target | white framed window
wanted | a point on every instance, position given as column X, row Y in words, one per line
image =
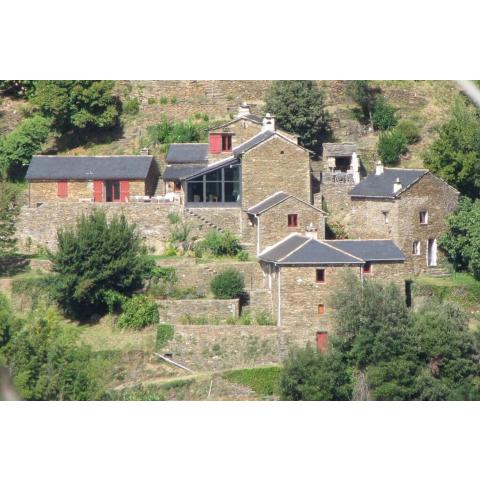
column 423, row 217
column 416, row 248
column 385, row 217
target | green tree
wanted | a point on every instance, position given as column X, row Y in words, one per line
column 138, row 312
column 383, row 116
column 47, row 364
column 8, row 213
column 462, row 240
column 95, row 258
column 310, row 375
column 455, row 154
column 78, row 105
column 228, row 284
column 6, row 317
column 364, row 95
column 17, row 147
column 391, row 144
column 299, row 107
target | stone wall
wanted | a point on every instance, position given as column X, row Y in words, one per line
column 38, row 226
column 274, row 222
column 175, row 311
column 225, row 218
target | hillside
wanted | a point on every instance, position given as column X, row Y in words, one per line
column 427, row 102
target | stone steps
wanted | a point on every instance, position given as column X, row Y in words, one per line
column 203, row 221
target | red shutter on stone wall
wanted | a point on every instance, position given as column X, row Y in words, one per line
column 62, row 188
column 124, row 190
column 322, row 341
column 97, row 190
column 215, row 142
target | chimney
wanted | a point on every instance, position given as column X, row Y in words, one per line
column 243, row 109
column 144, row 151
column 311, row 231
column 268, row 123
column 379, row 168
column 397, row 185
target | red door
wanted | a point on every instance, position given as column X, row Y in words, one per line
column 215, row 142
column 124, row 190
column 98, row 190
column 322, row 341
column 62, row 188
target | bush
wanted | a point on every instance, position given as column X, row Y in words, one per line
column 138, row 312
column 228, row 284
column 95, row 257
column 164, row 334
column 391, row 145
column 182, row 131
column 243, row 256
column 131, row 106
column 410, row 130
column 6, row 318
column 383, row 116
column 263, row 318
column 220, row 244
column 310, row 375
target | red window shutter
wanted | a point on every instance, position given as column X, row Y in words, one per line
column 98, row 190
column 124, row 190
column 62, row 188
column 322, row 341
column 215, row 142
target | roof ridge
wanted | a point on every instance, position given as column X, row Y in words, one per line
column 295, row 249
column 265, row 199
column 267, row 249
column 338, row 249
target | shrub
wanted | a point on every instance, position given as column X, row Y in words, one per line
column 263, row 318
column 220, row 244
column 410, row 130
column 243, row 256
column 6, row 317
column 138, row 312
column 114, row 300
column 228, row 284
column 95, row 257
column 383, row 116
column 131, row 106
column 181, row 131
column 163, row 100
column 391, row 145
column 164, row 334
column 152, row 101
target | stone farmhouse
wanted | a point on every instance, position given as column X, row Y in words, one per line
column 257, row 181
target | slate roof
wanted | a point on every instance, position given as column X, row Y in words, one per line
column 274, row 200
column 212, row 166
column 299, row 250
column 187, row 153
column 296, row 249
column 253, row 142
column 369, row 250
column 178, row 172
column 53, row 167
column 339, row 149
column 382, row 185
column 250, row 116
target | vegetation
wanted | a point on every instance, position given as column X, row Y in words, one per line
column 462, row 240
column 454, row 154
column 391, row 145
column 219, row 244
column 77, row 105
column 264, row 381
column 364, row 95
column 383, row 116
column 299, row 107
column 138, row 312
column 180, row 240
column 164, row 334
column 17, row 147
column 96, row 257
column 8, row 213
column 47, row 364
column 132, row 106
column 138, row 393
column 228, row 284
column 410, row 130
column 389, row 352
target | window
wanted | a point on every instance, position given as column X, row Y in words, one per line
column 416, row 248
column 367, row 268
column 321, row 309
column 227, row 143
column 424, row 217
column 112, row 190
column 320, row 275
column 385, row 217
column 177, row 186
column 62, row 188
column 293, row 220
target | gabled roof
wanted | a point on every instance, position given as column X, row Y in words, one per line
column 121, row 167
column 253, row 142
column 213, row 166
column 381, row 186
column 178, row 172
column 339, row 149
column 299, row 250
column 250, row 117
column 274, row 200
column 369, row 250
column 187, row 153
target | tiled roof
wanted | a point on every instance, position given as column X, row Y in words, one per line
column 187, row 153
column 53, row 167
column 382, row 185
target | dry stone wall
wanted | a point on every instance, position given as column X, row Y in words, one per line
column 176, row 311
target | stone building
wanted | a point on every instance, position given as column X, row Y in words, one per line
column 56, row 179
